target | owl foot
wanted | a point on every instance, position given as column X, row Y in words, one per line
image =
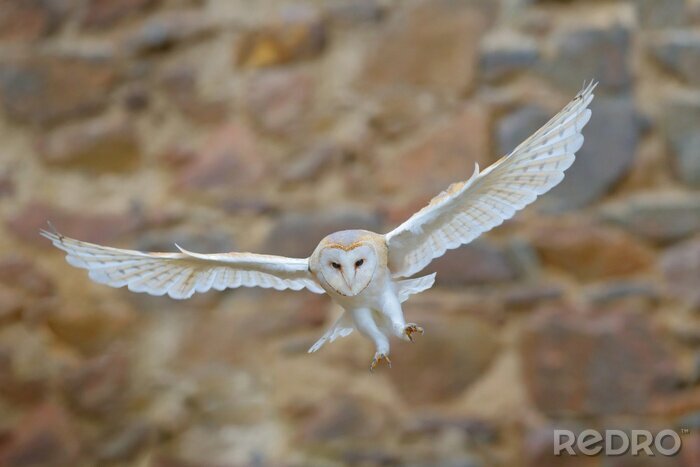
column 412, row 328
column 378, row 357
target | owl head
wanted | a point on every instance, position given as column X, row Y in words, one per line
column 346, row 261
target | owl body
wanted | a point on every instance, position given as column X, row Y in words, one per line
column 366, row 273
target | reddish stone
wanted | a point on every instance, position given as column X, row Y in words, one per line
column 27, row 20
column 45, row 436
column 298, row 37
column 229, row 160
column 431, row 45
column 446, row 155
column 104, row 13
column 103, row 144
column 595, row 363
column 279, row 100
column 590, row 252
column 45, row 89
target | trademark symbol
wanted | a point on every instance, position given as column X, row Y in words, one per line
column 685, row 431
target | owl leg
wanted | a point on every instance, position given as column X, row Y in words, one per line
column 391, row 309
column 364, row 322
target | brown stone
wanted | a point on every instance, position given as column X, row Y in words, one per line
column 103, row 144
column 98, row 387
column 162, row 32
column 7, row 185
column 595, row 363
column 229, row 160
column 589, row 251
column 681, row 269
column 279, row 101
column 45, row 436
column 446, row 155
column 431, row 45
column 104, row 13
column 295, row 38
column 45, row 89
column 181, row 87
column 450, row 356
column 25, row 290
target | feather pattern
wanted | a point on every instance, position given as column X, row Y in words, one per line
column 467, row 209
column 180, row 275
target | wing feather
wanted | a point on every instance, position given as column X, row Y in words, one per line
column 467, row 209
column 180, row 275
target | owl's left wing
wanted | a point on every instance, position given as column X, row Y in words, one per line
column 467, row 209
column 180, row 275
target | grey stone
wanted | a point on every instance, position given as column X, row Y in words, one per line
column 498, row 63
column 517, row 126
column 600, row 54
column 657, row 216
column 659, row 14
column 611, row 139
column 480, row 262
column 679, row 53
column 681, row 268
column 681, row 123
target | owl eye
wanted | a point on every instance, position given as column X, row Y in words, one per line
column 335, row 265
column 359, row 263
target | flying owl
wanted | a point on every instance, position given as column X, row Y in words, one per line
column 366, row 273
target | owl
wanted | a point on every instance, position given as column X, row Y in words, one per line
column 368, row 274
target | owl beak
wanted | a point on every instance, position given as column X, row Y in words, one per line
column 349, row 280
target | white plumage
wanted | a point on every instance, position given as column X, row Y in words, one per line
column 360, row 270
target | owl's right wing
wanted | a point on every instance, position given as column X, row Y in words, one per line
column 180, row 275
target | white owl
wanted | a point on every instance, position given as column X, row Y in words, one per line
column 362, row 271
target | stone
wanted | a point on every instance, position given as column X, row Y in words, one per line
column 680, row 266
column 280, row 101
column 445, row 155
column 26, row 291
column 453, row 28
column 344, row 12
column 163, row 32
column 297, row 36
column 502, row 59
column 655, row 14
column 127, row 442
column 680, row 123
column 7, row 185
column 104, row 144
column 297, row 234
column 528, row 296
column 310, row 163
column 28, row 21
column 589, row 252
column 400, row 111
column 479, row 262
column 584, row 54
column 517, row 126
column 46, row 89
column 180, row 84
column 614, row 291
column 594, row 364
column 106, row 13
column 451, row 355
column 679, row 53
column 229, row 161
column 44, row 436
column 92, row 227
column 660, row 217
column 607, row 155
column 98, row 386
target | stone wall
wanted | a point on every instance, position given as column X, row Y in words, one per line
column 263, row 125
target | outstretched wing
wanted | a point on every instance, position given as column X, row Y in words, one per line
column 182, row 274
column 467, row 209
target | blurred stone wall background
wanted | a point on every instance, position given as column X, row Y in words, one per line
column 264, row 125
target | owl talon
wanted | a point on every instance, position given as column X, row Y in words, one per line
column 412, row 328
column 378, row 357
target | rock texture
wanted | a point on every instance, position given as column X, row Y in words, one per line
column 265, row 125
